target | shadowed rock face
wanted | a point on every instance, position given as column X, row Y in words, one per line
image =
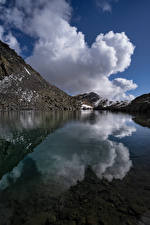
column 21, row 87
column 88, row 98
column 140, row 104
column 143, row 120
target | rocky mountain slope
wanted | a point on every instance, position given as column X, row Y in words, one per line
column 21, row 87
column 140, row 104
column 100, row 103
column 88, row 98
column 112, row 105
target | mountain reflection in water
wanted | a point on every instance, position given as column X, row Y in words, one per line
column 64, row 155
column 44, row 168
column 21, row 132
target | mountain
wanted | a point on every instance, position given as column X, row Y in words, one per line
column 21, row 87
column 92, row 100
column 99, row 103
column 140, row 104
column 88, row 98
column 112, row 105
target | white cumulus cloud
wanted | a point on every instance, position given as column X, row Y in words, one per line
column 125, row 84
column 65, row 58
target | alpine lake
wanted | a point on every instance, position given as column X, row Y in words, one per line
column 74, row 168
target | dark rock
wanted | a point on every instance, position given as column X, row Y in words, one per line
column 22, row 88
column 140, row 104
column 88, row 98
column 100, row 103
column 47, row 222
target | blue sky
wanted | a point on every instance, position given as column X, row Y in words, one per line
column 130, row 16
column 91, row 18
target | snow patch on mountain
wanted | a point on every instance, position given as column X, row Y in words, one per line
column 84, row 106
column 7, row 81
column 27, row 71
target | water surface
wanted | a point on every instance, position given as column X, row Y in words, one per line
column 44, row 155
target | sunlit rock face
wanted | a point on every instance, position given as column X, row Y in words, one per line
column 64, row 156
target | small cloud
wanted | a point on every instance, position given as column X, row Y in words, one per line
column 105, row 5
column 125, row 84
column 2, row 1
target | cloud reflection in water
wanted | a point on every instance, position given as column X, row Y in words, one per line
column 63, row 157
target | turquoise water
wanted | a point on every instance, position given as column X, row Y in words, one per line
column 47, row 153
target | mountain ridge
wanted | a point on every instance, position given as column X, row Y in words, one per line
column 97, row 102
column 140, row 104
column 23, row 88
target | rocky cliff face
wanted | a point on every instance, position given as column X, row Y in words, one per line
column 100, row 103
column 113, row 106
column 93, row 99
column 88, row 98
column 140, row 104
column 21, row 87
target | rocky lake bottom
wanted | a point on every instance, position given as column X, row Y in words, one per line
column 74, row 168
